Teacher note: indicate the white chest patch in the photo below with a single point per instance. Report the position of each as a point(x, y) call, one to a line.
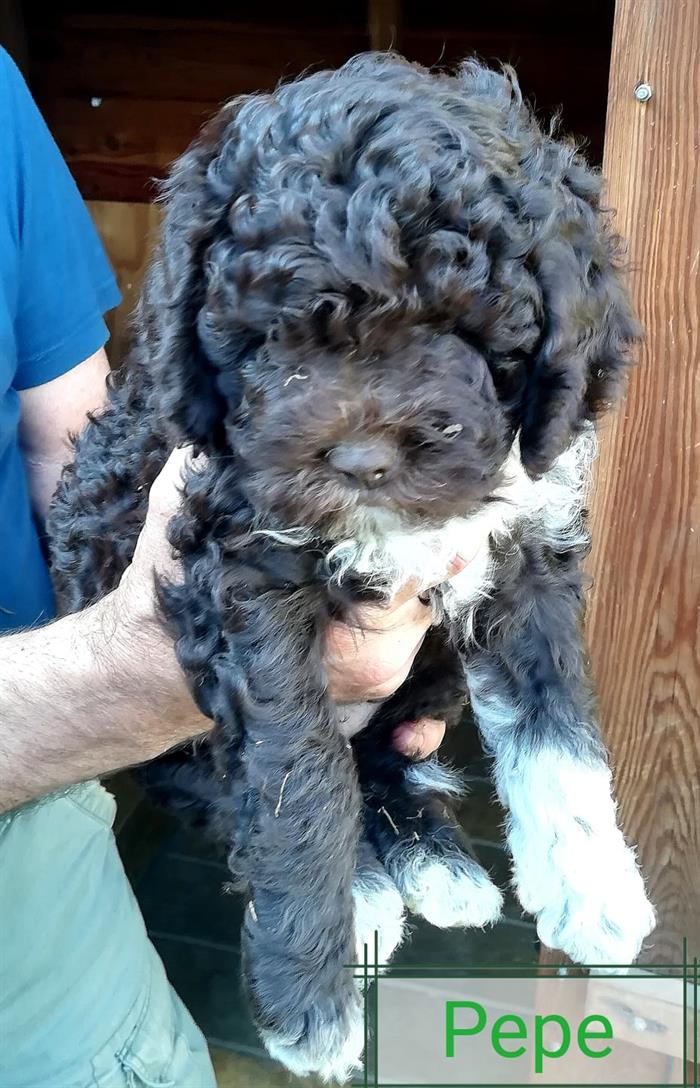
point(385, 549)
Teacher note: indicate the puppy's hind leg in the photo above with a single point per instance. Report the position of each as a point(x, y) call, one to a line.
point(430, 858)
point(410, 806)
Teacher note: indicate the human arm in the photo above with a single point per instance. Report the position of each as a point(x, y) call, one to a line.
point(50, 414)
point(100, 689)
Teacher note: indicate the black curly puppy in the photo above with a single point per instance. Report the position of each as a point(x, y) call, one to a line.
point(386, 305)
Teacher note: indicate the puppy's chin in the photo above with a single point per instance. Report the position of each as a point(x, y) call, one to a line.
point(367, 521)
point(370, 521)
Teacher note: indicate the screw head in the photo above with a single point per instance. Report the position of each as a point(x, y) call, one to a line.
point(643, 92)
point(95, 102)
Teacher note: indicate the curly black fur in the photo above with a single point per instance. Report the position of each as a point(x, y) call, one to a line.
point(376, 254)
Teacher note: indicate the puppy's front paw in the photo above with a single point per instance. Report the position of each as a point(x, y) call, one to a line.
point(572, 868)
point(592, 905)
point(447, 889)
point(330, 1043)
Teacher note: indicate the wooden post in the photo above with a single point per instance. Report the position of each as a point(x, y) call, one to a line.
point(643, 627)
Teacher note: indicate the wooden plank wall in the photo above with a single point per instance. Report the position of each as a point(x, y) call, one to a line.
point(128, 232)
point(125, 89)
point(125, 92)
point(645, 611)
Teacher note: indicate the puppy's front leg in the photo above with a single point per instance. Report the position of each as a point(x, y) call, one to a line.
point(300, 808)
point(249, 618)
point(532, 700)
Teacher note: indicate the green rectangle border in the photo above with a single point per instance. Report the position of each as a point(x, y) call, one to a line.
point(371, 973)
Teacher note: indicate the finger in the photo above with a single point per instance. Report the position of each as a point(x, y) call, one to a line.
point(165, 495)
point(419, 739)
point(390, 685)
point(405, 606)
point(377, 618)
point(411, 589)
point(408, 592)
point(164, 501)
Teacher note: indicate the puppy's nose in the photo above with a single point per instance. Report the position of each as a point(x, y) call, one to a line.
point(368, 461)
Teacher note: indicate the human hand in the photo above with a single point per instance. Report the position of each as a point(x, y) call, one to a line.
point(153, 554)
point(368, 661)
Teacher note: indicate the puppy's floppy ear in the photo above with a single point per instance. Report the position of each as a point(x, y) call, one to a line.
point(171, 329)
point(588, 325)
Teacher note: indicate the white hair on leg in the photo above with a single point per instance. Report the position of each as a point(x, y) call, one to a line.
point(571, 866)
point(331, 1048)
point(430, 776)
point(333, 1042)
point(495, 714)
point(379, 909)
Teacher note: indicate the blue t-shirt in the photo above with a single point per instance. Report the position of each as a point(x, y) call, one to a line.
point(55, 285)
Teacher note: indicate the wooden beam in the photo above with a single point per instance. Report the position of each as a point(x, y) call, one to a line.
point(643, 625)
point(384, 23)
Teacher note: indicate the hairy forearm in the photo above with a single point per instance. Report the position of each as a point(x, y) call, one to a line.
point(84, 696)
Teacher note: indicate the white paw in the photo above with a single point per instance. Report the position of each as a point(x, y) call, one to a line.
point(572, 868)
point(379, 909)
point(595, 910)
point(331, 1047)
point(448, 890)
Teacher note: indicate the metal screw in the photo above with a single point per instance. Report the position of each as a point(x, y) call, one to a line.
point(643, 92)
point(95, 102)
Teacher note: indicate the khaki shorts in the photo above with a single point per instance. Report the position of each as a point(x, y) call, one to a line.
point(158, 1046)
point(84, 999)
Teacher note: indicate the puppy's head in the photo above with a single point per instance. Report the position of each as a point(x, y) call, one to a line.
point(405, 420)
point(371, 280)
